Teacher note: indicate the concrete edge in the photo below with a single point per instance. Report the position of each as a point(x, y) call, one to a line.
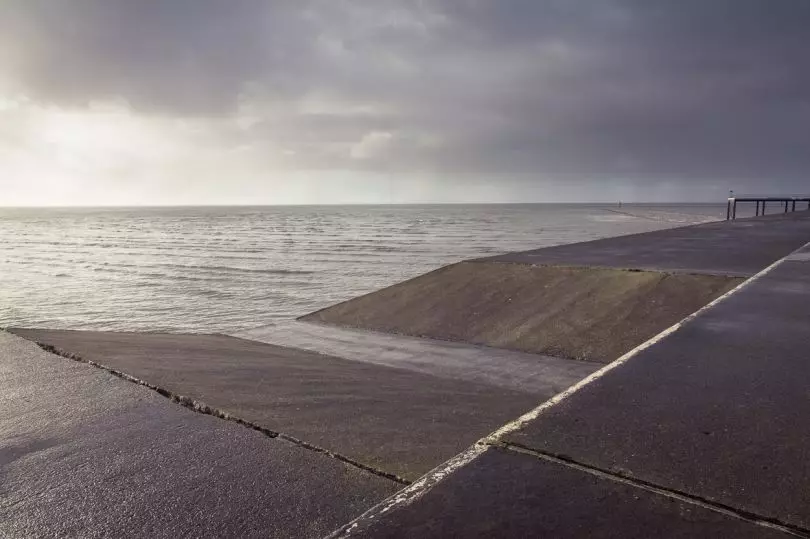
point(303, 317)
point(729, 274)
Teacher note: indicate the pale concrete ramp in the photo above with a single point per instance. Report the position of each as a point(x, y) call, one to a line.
point(86, 454)
point(543, 376)
point(592, 314)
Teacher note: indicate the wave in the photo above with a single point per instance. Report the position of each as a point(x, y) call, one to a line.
point(234, 269)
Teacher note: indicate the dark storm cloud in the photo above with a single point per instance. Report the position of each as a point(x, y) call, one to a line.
point(686, 89)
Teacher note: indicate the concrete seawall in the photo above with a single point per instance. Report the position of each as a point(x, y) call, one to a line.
point(593, 314)
point(698, 429)
point(593, 301)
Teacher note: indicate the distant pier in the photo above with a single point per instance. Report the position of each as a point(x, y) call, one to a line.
point(784, 203)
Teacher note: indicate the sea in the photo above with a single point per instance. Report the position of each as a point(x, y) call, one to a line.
point(229, 269)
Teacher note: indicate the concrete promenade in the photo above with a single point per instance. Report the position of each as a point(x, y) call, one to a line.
point(738, 248)
point(701, 432)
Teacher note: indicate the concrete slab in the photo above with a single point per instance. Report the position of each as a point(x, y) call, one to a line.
point(717, 409)
point(543, 376)
point(86, 454)
point(507, 494)
point(576, 313)
point(393, 420)
point(736, 248)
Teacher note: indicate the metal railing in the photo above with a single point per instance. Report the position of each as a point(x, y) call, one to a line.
point(784, 202)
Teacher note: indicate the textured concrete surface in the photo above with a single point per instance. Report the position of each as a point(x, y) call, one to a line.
point(542, 376)
point(742, 247)
point(578, 313)
point(718, 409)
point(508, 494)
point(86, 454)
point(394, 420)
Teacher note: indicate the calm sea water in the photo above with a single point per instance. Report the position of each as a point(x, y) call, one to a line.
point(218, 269)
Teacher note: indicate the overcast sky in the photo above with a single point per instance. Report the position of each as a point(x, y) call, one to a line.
point(333, 101)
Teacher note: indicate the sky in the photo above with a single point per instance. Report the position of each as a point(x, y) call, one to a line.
point(121, 102)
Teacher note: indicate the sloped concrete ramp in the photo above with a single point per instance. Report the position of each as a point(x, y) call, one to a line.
point(543, 376)
point(395, 421)
point(86, 454)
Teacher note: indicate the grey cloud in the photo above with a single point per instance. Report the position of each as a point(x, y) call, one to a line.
point(687, 89)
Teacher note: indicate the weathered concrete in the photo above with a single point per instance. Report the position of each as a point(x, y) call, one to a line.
point(508, 494)
point(741, 247)
point(542, 376)
point(718, 409)
point(394, 420)
point(86, 454)
point(579, 313)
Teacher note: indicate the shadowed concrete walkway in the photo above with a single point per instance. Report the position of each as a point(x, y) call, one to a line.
point(719, 409)
point(86, 454)
point(508, 494)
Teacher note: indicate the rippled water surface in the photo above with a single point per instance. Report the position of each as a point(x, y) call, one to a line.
point(229, 269)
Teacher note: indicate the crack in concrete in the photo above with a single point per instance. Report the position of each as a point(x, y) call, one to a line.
point(728, 510)
point(411, 493)
point(202, 408)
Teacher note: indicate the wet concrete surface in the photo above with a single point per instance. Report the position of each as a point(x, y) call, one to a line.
point(736, 248)
point(86, 454)
point(718, 409)
point(508, 494)
point(543, 376)
point(394, 420)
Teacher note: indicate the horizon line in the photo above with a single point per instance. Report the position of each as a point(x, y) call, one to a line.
point(123, 206)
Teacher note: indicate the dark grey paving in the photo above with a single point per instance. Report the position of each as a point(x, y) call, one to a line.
point(719, 409)
point(395, 420)
point(86, 454)
point(507, 494)
point(738, 248)
point(539, 375)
